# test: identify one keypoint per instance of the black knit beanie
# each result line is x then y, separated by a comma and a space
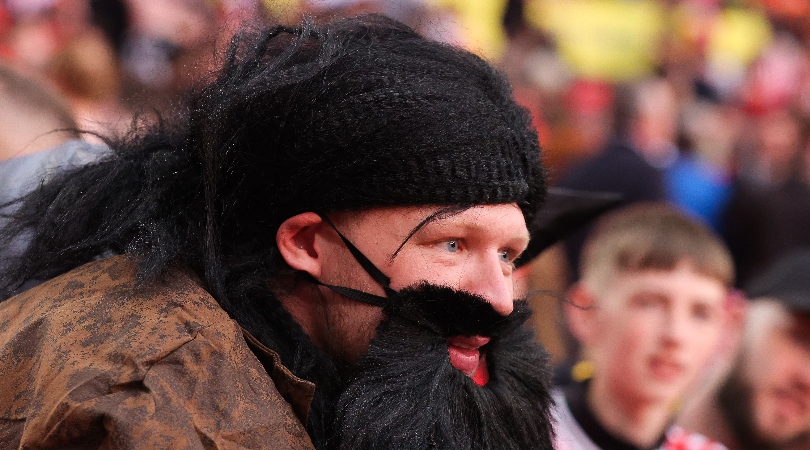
359, 113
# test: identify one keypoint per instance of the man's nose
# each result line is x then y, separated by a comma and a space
488, 280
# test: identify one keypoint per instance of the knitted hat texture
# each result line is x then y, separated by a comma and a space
364, 112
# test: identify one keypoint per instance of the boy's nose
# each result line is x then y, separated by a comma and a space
676, 328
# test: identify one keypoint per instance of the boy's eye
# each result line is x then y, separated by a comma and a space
505, 256
451, 246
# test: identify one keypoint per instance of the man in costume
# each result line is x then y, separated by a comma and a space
316, 251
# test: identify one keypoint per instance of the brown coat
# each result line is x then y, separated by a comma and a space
89, 360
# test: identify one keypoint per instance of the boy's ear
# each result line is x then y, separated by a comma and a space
580, 312
297, 243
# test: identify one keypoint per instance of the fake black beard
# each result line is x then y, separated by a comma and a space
405, 393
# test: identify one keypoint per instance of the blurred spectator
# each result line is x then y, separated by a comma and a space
168, 46
86, 70
700, 180
777, 143
774, 80
649, 313
769, 211
764, 401
74, 43
38, 137
523, 62
645, 123
33, 116
587, 124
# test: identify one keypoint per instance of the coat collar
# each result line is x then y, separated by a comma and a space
296, 391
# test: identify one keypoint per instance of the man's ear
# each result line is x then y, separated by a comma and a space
295, 239
580, 312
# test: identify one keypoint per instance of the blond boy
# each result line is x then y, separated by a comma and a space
648, 312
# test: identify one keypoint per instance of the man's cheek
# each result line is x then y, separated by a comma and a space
351, 339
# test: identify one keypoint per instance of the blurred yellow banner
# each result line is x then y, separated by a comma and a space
481, 21
739, 35
613, 40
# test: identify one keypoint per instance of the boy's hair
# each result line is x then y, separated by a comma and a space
652, 236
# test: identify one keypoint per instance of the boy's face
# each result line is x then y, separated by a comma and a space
653, 331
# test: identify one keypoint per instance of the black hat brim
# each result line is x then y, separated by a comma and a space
564, 212
787, 281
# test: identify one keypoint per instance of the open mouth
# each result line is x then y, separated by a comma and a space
465, 355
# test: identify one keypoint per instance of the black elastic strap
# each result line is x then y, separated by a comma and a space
375, 273
354, 294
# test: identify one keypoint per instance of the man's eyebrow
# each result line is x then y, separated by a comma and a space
441, 214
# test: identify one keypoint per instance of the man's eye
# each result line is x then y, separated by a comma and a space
451, 246
505, 256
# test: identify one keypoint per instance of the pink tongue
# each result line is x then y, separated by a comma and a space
465, 354
463, 359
